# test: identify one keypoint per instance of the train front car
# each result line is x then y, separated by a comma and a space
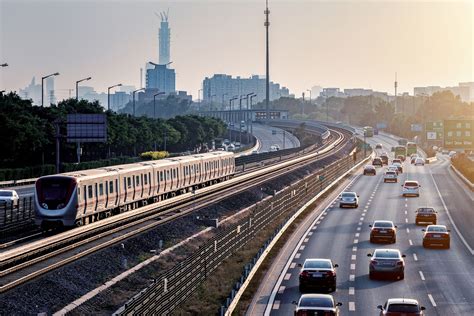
55, 201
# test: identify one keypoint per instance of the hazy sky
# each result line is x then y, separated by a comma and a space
343, 44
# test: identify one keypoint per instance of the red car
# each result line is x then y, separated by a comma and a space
401, 307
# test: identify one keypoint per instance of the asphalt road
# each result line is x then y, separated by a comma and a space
441, 280
266, 138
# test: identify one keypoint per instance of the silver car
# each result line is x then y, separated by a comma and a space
9, 198
349, 199
387, 262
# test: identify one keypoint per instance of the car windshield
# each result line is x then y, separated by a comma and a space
396, 161
316, 302
6, 193
411, 184
316, 264
403, 308
383, 224
390, 172
388, 254
439, 229
426, 210
348, 195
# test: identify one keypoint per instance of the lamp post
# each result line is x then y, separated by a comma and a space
133, 96
108, 94
77, 86
42, 84
230, 115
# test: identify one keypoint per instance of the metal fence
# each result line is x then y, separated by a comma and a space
173, 286
16, 216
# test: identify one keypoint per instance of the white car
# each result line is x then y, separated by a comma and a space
274, 148
419, 162
390, 176
393, 168
411, 187
9, 197
349, 199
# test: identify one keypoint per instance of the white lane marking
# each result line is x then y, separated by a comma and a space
287, 276
358, 228
353, 266
406, 220
408, 230
432, 300
322, 217
356, 241
352, 306
357, 234
421, 276
415, 257
352, 277
306, 240
297, 256
353, 257
410, 242
292, 265
406, 212
450, 218
302, 247
314, 227
310, 233
354, 248
360, 224
351, 291
406, 199
361, 218
406, 205
318, 222
276, 305
281, 289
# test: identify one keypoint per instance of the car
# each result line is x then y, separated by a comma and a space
383, 231
413, 159
274, 148
384, 158
444, 152
436, 235
349, 199
401, 157
393, 168
317, 274
401, 306
377, 161
369, 169
411, 187
419, 162
397, 160
390, 176
399, 166
426, 215
387, 262
9, 198
378, 146
316, 304
452, 153
254, 152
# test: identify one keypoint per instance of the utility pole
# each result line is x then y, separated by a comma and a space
267, 84
396, 86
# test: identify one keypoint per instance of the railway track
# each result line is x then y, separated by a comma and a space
27, 262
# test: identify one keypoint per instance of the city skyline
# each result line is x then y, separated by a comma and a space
204, 42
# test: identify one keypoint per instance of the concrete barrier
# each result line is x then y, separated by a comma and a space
469, 184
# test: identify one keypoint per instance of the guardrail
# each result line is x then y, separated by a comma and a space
173, 286
15, 217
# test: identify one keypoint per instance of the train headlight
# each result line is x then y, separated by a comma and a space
44, 205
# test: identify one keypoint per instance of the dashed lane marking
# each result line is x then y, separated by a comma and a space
362, 218
321, 218
432, 300
353, 266
360, 224
354, 249
297, 256
318, 222
281, 289
351, 290
408, 230
410, 242
292, 265
406, 212
406, 220
358, 228
406, 205
415, 257
352, 306
357, 234
302, 247
421, 276
287, 276
314, 227
352, 277
353, 257
276, 305
356, 241
306, 240
310, 233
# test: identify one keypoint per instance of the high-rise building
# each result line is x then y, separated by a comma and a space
49, 92
220, 88
162, 78
32, 91
164, 39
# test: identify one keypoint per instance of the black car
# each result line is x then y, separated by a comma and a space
384, 159
426, 215
377, 162
369, 169
383, 231
318, 274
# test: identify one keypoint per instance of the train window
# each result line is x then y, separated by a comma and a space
168, 175
85, 193
146, 179
137, 180
111, 187
89, 191
101, 189
161, 175
124, 183
129, 182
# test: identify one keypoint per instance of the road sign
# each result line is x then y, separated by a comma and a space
459, 134
431, 136
86, 128
381, 125
434, 127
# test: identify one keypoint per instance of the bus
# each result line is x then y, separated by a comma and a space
411, 148
400, 151
368, 131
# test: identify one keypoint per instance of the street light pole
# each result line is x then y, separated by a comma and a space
133, 96
267, 78
77, 86
108, 94
42, 84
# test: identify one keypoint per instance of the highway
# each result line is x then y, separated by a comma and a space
266, 139
442, 280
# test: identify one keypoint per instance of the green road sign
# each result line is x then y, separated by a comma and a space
459, 134
434, 130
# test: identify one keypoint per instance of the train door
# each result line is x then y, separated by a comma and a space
96, 204
84, 193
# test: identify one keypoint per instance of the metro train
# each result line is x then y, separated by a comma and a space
82, 197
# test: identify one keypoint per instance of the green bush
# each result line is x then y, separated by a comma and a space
464, 165
154, 155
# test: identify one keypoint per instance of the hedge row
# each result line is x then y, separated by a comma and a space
464, 165
154, 155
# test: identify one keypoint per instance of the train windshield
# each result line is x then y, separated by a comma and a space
54, 192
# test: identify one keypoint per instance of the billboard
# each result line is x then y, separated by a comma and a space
381, 125
86, 128
459, 134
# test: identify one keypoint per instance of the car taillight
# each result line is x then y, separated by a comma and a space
330, 273
374, 262
302, 313
429, 235
400, 263
304, 274
375, 230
